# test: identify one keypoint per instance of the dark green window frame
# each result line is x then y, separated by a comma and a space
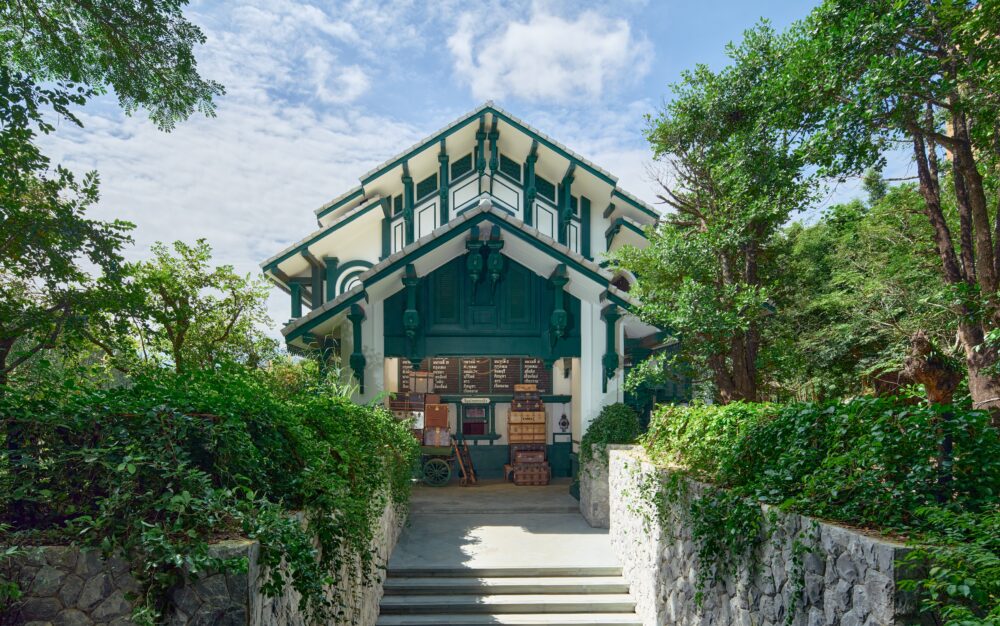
545, 189
427, 186
510, 168
461, 167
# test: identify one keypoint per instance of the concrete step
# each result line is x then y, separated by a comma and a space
512, 603
502, 572
446, 585
524, 619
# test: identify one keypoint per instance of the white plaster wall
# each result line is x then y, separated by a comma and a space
373, 347
591, 398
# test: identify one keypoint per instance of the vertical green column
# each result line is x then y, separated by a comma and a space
408, 203
411, 316
331, 263
443, 185
481, 147
565, 205
585, 227
386, 228
529, 189
559, 319
295, 288
358, 361
611, 315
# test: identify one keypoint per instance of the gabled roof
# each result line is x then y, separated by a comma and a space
485, 212
431, 141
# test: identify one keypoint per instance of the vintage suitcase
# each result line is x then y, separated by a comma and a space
422, 382
528, 456
527, 417
525, 387
532, 474
437, 437
432, 398
435, 416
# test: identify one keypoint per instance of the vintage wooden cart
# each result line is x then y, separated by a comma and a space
437, 463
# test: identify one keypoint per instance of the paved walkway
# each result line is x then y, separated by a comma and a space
499, 525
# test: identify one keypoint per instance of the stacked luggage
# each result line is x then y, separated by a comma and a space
526, 429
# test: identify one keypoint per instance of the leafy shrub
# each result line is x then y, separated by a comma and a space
617, 423
165, 465
874, 463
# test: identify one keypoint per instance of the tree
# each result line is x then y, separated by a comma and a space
56, 55
855, 287
927, 73
177, 309
732, 178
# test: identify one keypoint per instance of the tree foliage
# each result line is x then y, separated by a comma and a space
733, 178
55, 56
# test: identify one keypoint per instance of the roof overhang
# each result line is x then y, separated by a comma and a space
588, 280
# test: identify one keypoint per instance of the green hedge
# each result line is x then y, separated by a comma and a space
168, 463
872, 463
616, 423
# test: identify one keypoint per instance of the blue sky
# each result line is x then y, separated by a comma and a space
317, 93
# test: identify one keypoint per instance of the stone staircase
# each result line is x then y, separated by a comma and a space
592, 596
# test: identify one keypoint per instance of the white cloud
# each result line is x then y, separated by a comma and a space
547, 57
332, 83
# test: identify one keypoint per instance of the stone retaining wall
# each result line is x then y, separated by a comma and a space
65, 586
846, 579
594, 501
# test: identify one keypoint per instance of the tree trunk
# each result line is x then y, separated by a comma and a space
927, 366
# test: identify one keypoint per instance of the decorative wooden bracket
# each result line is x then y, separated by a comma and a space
494, 260
566, 204
411, 317
474, 257
407, 203
529, 181
358, 361
559, 320
610, 361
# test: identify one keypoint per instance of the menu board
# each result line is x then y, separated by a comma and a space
506, 373
479, 375
476, 376
534, 371
446, 375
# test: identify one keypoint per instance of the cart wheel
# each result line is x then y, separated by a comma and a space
437, 472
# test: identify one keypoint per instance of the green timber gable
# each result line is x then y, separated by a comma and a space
463, 316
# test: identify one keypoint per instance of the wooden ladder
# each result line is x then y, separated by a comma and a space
465, 466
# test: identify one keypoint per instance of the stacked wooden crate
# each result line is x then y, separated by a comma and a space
526, 431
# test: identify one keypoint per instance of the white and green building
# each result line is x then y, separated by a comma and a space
476, 254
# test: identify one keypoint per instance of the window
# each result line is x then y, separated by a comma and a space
461, 167
510, 168
397, 205
545, 188
427, 186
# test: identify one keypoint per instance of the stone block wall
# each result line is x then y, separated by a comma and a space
65, 586
594, 500
846, 578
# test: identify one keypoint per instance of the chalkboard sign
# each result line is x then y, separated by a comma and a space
475, 376
479, 375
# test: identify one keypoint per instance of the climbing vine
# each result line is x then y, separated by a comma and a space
161, 468
869, 463
616, 423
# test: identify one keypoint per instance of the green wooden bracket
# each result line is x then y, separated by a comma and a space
494, 136
481, 147
443, 190
529, 180
610, 361
331, 263
494, 260
566, 203
408, 203
474, 257
358, 361
411, 317
559, 319
295, 289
